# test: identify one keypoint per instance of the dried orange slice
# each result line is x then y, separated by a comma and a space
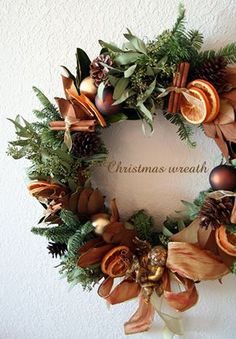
212, 97
226, 241
191, 111
116, 262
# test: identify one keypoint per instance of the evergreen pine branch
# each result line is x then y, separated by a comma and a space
49, 111
179, 25
184, 131
78, 239
228, 52
143, 225
57, 234
70, 219
234, 268
195, 39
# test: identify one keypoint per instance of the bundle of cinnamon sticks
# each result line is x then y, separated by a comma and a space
179, 81
78, 126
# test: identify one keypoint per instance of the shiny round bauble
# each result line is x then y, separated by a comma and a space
88, 88
105, 105
223, 177
100, 221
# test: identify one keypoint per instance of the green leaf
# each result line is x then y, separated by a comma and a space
146, 113
120, 87
192, 210
130, 71
109, 46
127, 93
166, 232
113, 80
83, 66
148, 92
137, 43
127, 58
118, 117
101, 88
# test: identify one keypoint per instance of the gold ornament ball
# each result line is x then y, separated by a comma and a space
88, 88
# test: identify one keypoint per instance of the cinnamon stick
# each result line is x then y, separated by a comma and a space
172, 94
183, 82
75, 128
178, 85
81, 123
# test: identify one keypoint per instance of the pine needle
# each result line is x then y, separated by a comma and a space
184, 131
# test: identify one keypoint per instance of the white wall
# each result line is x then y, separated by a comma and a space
36, 37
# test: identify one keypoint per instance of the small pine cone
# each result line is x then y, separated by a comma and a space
56, 249
85, 144
97, 71
212, 70
216, 212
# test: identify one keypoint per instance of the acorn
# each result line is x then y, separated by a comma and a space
223, 177
88, 88
105, 105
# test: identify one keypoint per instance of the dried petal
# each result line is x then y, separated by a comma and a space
191, 262
126, 290
142, 319
182, 301
93, 256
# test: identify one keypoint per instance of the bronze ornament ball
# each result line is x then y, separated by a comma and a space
104, 105
88, 88
223, 177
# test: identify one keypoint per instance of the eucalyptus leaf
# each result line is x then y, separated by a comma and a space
146, 113
137, 43
149, 91
101, 88
109, 46
127, 58
120, 87
145, 124
111, 68
130, 71
113, 80
118, 117
127, 93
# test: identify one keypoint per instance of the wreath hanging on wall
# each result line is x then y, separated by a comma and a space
130, 258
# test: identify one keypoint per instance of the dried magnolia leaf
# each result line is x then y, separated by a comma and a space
188, 234
191, 262
226, 115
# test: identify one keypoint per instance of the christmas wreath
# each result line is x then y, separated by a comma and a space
131, 258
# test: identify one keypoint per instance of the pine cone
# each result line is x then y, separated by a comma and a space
85, 144
97, 70
216, 212
212, 70
56, 249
